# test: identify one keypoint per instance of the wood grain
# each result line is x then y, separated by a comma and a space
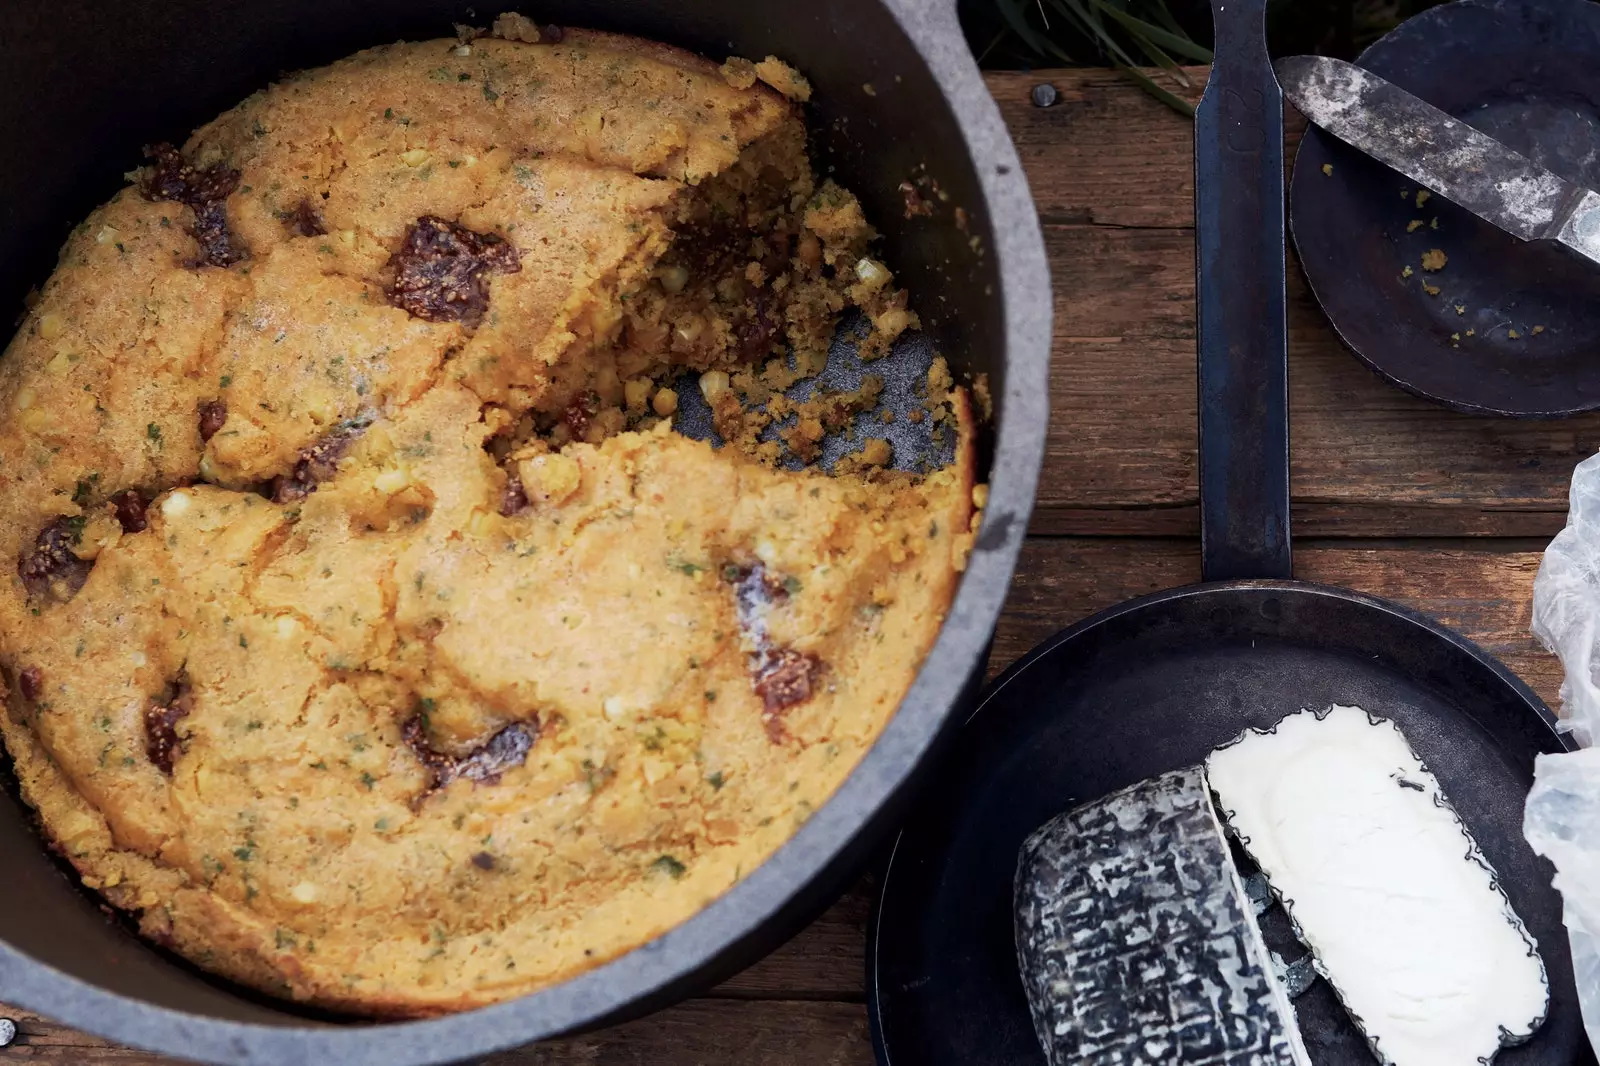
1113, 179
772, 1033
1483, 593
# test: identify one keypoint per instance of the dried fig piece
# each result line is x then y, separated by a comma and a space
440, 267
51, 569
131, 510
162, 745
781, 676
213, 414
317, 463
506, 749
206, 192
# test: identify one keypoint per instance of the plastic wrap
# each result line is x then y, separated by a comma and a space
1562, 816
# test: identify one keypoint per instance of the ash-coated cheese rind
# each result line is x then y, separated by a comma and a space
1135, 937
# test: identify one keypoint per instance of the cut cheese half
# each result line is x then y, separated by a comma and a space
1385, 886
1136, 939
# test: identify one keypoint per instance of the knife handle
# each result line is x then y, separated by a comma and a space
1240, 305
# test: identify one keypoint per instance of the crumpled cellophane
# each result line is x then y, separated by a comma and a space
1562, 816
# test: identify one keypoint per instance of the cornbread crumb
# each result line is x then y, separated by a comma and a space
1434, 259
784, 78
739, 73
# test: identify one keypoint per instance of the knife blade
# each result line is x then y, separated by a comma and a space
1442, 153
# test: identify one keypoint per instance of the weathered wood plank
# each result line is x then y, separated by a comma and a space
1487, 595
1120, 149
1112, 175
826, 960
774, 1033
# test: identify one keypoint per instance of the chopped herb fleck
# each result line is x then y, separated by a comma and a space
670, 866
85, 489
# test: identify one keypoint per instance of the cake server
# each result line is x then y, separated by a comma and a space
1444, 154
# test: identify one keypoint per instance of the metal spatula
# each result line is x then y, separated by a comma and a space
1243, 334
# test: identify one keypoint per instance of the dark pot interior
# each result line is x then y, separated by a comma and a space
84, 84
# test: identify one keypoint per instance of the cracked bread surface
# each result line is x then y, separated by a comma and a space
373, 640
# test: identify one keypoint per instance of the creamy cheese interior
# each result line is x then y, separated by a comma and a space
1385, 885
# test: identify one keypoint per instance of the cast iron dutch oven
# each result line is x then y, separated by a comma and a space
84, 84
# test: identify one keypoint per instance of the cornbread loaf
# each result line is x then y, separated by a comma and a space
372, 639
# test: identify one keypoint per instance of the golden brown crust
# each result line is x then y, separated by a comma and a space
298, 678
662, 53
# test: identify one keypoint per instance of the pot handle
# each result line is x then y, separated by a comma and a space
1240, 305
913, 13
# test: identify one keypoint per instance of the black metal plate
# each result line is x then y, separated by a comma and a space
1522, 71
1151, 686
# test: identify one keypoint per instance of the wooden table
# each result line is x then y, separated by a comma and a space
1391, 496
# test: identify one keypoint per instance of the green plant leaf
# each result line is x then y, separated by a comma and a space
1162, 60
1127, 34
1172, 42
1166, 96
1011, 11
1096, 29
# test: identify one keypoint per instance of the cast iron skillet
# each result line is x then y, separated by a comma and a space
84, 84
1523, 71
1153, 685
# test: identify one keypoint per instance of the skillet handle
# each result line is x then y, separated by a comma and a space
1239, 297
